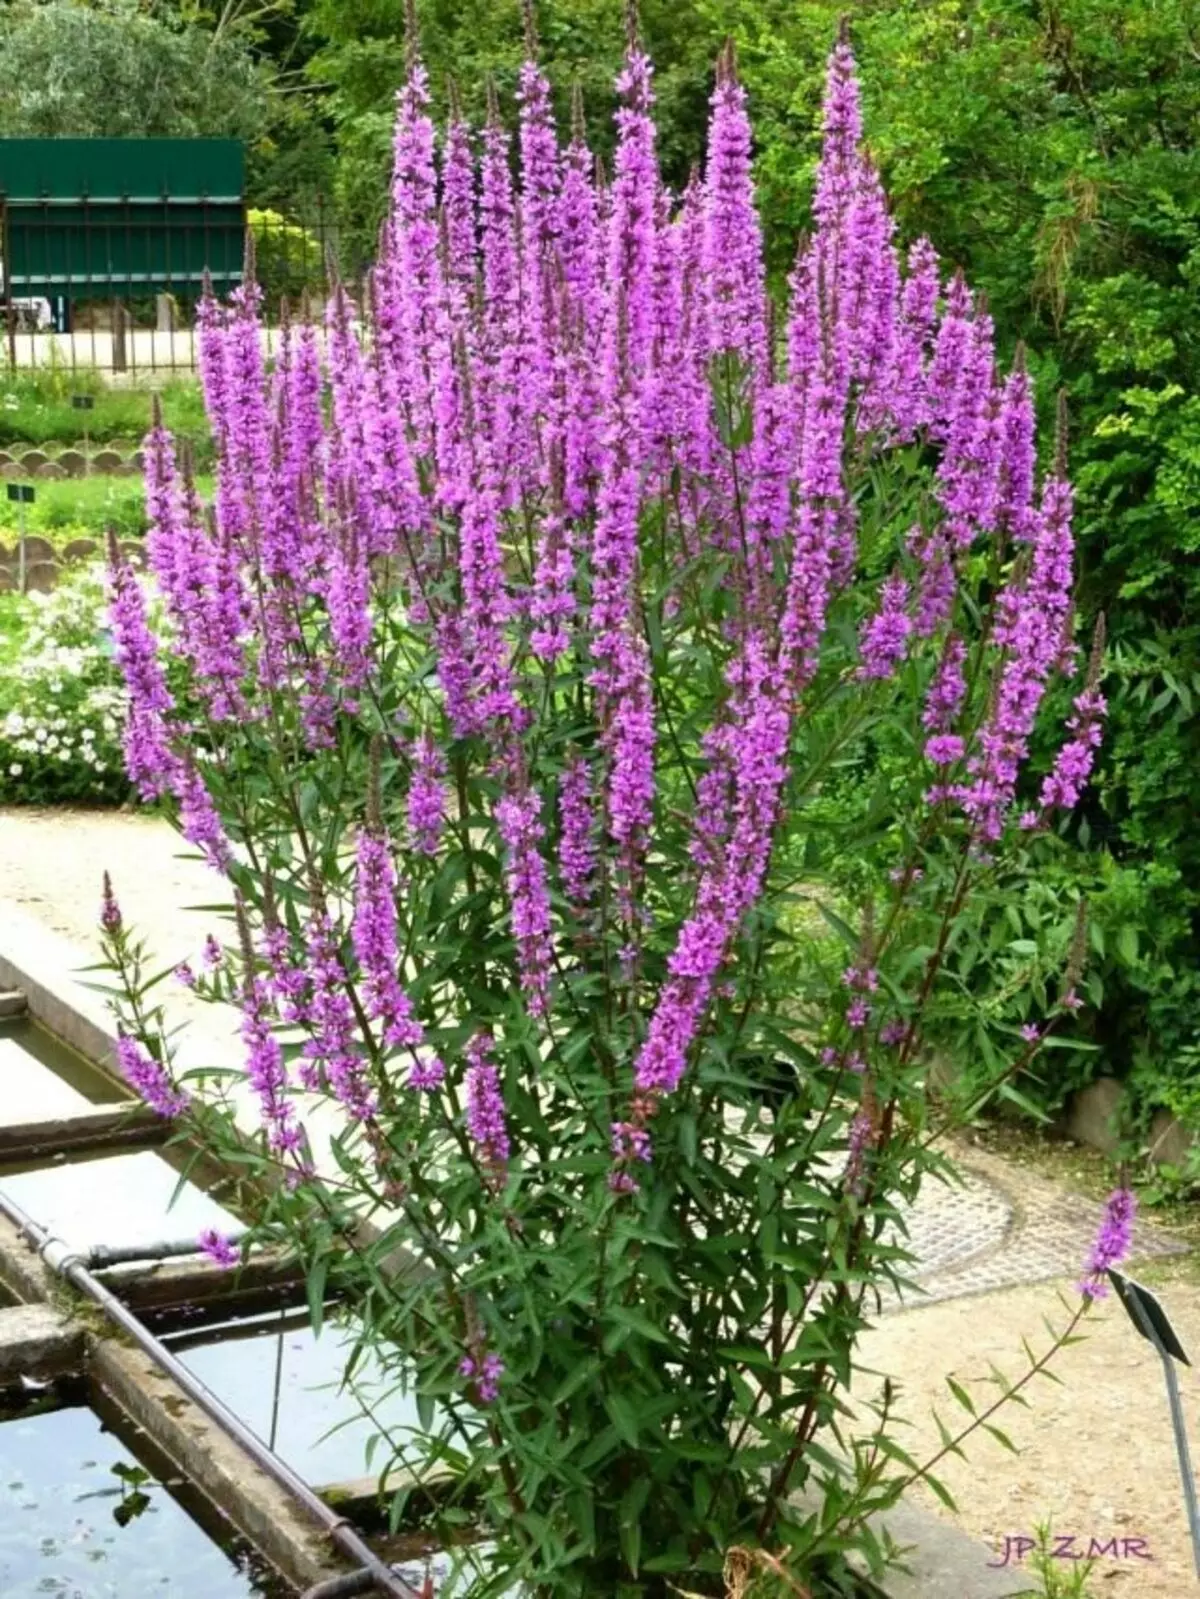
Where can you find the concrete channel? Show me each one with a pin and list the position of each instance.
(82, 1111)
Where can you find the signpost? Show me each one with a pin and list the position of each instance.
(22, 494)
(85, 403)
(1148, 1316)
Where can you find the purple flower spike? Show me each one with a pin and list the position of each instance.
(1113, 1242)
(375, 943)
(220, 1250)
(525, 875)
(148, 1078)
(486, 1122)
(427, 797)
(110, 911)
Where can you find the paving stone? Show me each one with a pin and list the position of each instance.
(983, 1233)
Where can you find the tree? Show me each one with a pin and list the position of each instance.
(111, 71)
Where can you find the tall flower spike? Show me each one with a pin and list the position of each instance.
(148, 756)
(632, 236)
(838, 167)
(1113, 1243)
(1063, 785)
(149, 1079)
(1018, 453)
(265, 1070)
(427, 797)
(374, 930)
(520, 827)
(733, 258)
(486, 1122)
(540, 175)
(918, 318)
(458, 201)
(577, 841)
(333, 1057)
(413, 283)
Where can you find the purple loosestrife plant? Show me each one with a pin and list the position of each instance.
(544, 605)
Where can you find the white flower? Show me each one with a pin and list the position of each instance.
(14, 723)
(15, 769)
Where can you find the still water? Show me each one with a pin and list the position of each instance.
(61, 1512)
(285, 1384)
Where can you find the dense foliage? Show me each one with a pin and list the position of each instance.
(62, 697)
(531, 619)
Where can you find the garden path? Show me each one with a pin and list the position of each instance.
(1096, 1454)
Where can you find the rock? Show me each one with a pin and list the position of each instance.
(1093, 1114)
(1170, 1141)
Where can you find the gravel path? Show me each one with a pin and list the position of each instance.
(1096, 1454)
(52, 861)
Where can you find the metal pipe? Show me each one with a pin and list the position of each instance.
(67, 1264)
(102, 1255)
(344, 1587)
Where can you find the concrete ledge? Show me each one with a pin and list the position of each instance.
(22, 1270)
(940, 1560)
(45, 967)
(86, 1130)
(944, 1562)
(38, 1341)
(256, 1505)
(161, 1286)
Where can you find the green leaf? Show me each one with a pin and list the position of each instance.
(624, 1417)
(1000, 1436)
(961, 1394)
(315, 1281)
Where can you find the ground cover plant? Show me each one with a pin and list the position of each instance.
(83, 508)
(36, 410)
(507, 687)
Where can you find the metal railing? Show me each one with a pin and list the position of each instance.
(111, 285)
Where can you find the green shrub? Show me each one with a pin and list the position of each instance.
(289, 260)
(62, 701)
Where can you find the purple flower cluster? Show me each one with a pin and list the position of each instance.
(1113, 1242)
(1033, 612)
(333, 1055)
(1067, 779)
(374, 934)
(484, 1371)
(577, 841)
(885, 637)
(220, 1250)
(426, 795)
(486, 1122)
(480, 502)
(149, 1079)
(265, 1070)
(517, 817)
(148, 757)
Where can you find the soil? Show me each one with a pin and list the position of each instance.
(1096, 1455)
